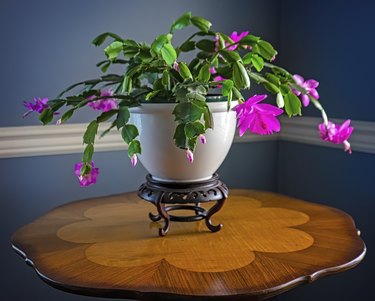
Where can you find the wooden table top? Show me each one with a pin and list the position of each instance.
(270, 243)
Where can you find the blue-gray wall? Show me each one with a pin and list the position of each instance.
(45, 46)
(333, 41)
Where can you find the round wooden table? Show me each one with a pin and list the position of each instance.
(269, 244)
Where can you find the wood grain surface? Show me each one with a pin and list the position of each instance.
(269, 243)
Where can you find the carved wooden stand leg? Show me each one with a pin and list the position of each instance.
(169, 197)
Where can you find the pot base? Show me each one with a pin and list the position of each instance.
(174, 196)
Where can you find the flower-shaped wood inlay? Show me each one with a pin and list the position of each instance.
(118, 237)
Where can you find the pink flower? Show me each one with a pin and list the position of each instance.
(176, 66)
(236, 38)
(134, 160)
(217, 78)
(336, 133)
(310, 86)
(202, 139)
(189, 155)
(38, 106)
(88, 179)
(258, 118)
(105, 104)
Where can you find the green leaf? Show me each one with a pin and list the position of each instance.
(89, 136)
(194, 63)
(105, 116)
(227, 87)
(208, 119)
(265, 49)
(204, 73)
(130, 44)
(67, 115)
(203, 24)
(257, 78)
(237, 94)
(123, 116)
(240, 77)
(166, 79)
(105, 67)
(206, 45)
(181, 22)
(152, 94)
(179, 136)
(257, 62)
(46, 116)
(99, 40)
(134, 148)
(158, 85)
(204, 55)
(187, 46)
(273, 79)
(145, 55)
(176, 75)
(56, 104)
(195, 96)
(230, 56)
(271, 87)
(87, 154)
(127, 84)
(285, 89)
(180, 94)
(194, 129)
(158, 44)
(249, 40)
(129, 132)
(292, 104)
(247, 58)
(113, 50)
(198, 88)
(184, 71)
(192, 143)
(225, 38)
(108, 130)
(168, 53)
(187, 112)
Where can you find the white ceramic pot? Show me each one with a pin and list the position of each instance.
(163, 160)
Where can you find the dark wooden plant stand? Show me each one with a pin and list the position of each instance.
(173, 196)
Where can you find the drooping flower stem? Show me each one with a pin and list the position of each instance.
(317, 105)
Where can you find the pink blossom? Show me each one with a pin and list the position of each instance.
(90, 178)
(236, 38)
(105, 104)
(134, 160)
(309, 85)
(336, 133)
(217, 78)
(38, 106)
(202, 139)
(189, 155)
(176, 66)
(258, 118)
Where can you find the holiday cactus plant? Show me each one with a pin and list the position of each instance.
(227, 64)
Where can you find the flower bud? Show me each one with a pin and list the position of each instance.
(280, 100)
(189, 155)
(175, 66)
(202, 139)
(134, 160)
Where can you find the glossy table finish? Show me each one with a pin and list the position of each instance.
(269, 243)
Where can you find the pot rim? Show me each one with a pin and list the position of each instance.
(145, 108)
